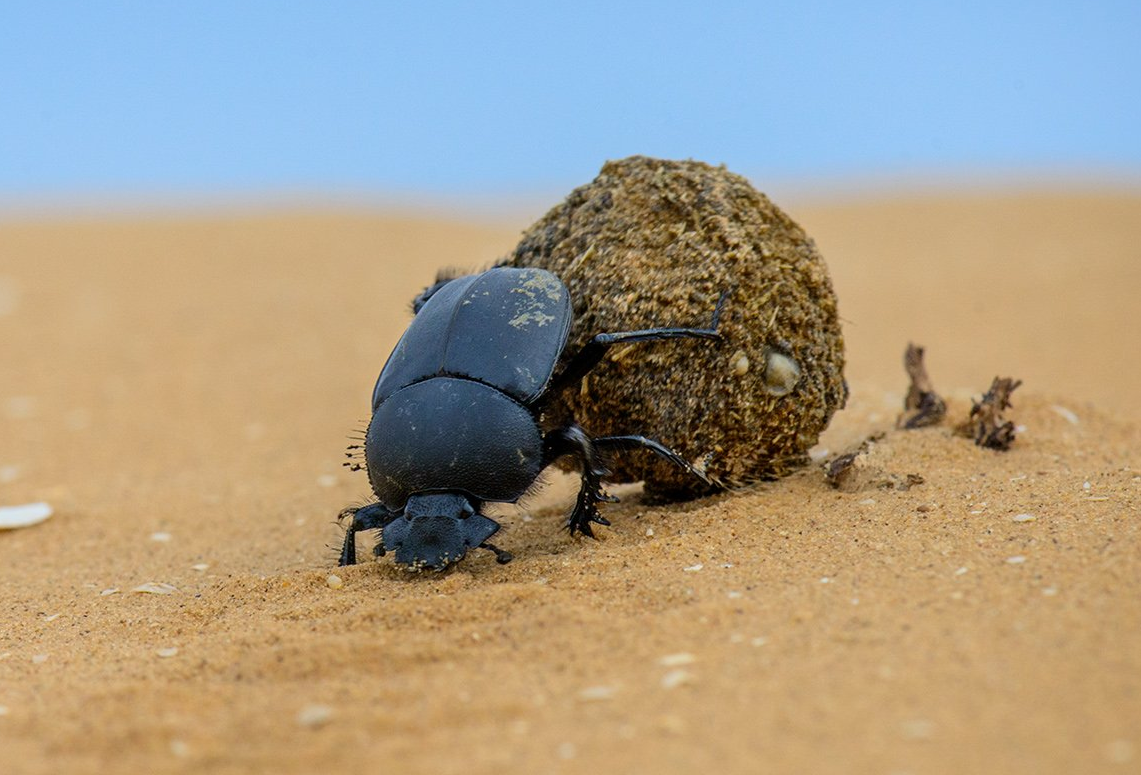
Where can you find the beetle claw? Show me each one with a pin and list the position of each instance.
(581, 527)
(580, 520)
(586, 512)
(501, 556)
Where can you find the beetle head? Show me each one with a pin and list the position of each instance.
(436, 530)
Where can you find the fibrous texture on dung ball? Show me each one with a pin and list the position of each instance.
(653, 243)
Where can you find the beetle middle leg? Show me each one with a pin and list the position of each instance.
(371, 517)
(572, 440)
(594, 350)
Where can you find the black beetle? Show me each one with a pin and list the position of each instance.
(457, 410)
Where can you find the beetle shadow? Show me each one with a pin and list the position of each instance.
(536, 525)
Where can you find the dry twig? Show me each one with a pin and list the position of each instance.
(986, 424)
(923, 406)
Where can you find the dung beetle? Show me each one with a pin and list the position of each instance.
(457, 415)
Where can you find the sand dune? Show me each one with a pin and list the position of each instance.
(179, 390)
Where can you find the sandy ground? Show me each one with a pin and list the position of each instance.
(180, 391)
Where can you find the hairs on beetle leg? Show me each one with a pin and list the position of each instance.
(347, 513)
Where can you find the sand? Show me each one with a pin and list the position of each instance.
(180, 389)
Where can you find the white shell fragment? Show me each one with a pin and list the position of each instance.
(156, 588)
(740, 365)
(314, 716)
(597, 693)
(1067, 414)
(13, 517)
(675, 678)
(781, 374)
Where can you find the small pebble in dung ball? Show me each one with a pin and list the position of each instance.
(655, 243)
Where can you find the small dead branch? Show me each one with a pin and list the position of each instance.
(863, 469)
(986, 424)
(923, 406)
(842, 472)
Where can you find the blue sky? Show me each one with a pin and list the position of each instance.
(151, 99)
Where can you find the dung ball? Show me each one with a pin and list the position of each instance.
(653, 243)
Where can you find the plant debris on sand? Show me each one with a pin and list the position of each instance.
(922, 406)
(986, 424)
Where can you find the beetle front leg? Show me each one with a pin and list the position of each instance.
(572, 440)
(371, 517)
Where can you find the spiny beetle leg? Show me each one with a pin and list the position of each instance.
(586, 511)
(604, 443)
(371, 517)
(572, 440)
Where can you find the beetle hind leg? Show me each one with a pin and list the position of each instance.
(573, 440)
(371, 517)
(661, 450)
